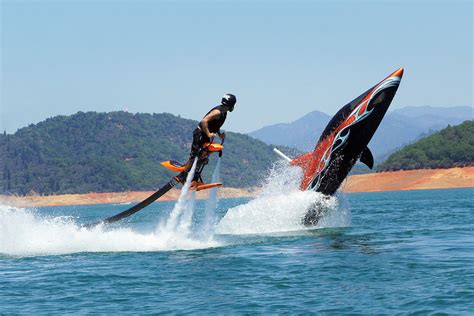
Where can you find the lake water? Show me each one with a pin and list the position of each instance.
(373, 253)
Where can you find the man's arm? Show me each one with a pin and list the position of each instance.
(205, 122)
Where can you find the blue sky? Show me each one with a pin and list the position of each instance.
(282, 59)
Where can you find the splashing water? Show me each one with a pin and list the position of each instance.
(178, 225)
(25, 232)
(210, 216)
(281, 206)
(183, 201)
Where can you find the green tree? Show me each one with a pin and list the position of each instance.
(450, 147)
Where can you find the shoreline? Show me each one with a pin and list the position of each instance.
(421, 179)
(93, 198)
(407, 180)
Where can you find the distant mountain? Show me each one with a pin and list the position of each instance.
(433, 113)
(450, 147)
(399, 127)
(404, 126)
(117, 151)
(300, 133)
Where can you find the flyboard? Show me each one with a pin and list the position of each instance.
(198, 185)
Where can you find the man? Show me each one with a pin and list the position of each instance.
(207, 129)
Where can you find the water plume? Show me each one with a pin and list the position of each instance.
(281, 206)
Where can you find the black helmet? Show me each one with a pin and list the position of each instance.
(229, 100)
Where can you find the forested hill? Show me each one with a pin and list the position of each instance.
(450, 147)
(117, 151)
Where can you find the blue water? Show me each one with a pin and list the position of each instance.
(380, 253)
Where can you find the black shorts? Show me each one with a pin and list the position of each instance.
(199, 139)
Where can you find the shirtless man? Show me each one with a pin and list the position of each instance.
(210, 126)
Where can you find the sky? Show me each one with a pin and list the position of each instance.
(282, 59)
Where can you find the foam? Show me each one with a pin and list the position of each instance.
(281, 206)
(23, 232)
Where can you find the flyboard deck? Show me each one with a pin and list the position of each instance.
(173, 165)
(206, 186)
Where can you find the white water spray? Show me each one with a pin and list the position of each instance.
(25, 232)
(180, 220)
(210, 217)
(281, 206)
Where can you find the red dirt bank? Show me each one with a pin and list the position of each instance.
(373, 182)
